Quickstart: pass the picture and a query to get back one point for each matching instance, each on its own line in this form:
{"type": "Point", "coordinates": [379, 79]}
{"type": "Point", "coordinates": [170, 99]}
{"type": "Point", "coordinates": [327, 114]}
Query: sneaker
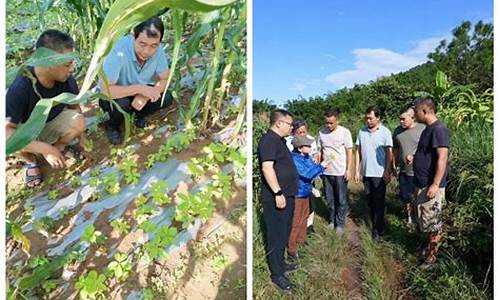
{"type": "Point", "coordinates": [339, 230]}
{"type": "Point", "coordinates": [293, 258]}
{"type": "Point", "coordinates": [289, 268]}
{"type": "Point", "coordinates": [290, 282]}
{"type": "Point", "coordinates": [427, 264]}
{"type": "Point", "coordinates": [282, 284]}
{"type": "Point", "coordinates": [331, 226]}
{"type": "Point", "coordinates": [114, 136]}
{"type": "Point", "coordinates": [141, 123]}
{"type": "Point", "coordinates": [376, 236]}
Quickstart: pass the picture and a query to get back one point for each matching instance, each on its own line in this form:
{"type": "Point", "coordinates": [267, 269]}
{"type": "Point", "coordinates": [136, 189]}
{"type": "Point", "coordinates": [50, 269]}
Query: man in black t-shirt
{"type": "Point", "coordinates": [279, 185]}
{"type": "Point", "coordinates": [64, 123]}
{"type": "Point", "coordinates": [430, 165]}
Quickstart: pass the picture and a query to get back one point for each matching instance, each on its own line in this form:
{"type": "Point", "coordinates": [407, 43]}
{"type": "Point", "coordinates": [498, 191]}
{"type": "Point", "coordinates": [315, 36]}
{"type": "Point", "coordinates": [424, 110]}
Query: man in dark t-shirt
{"type": "Point", "coordinates": [430, 169]}
{"type": "Point", "coordinates": [64, 123]}
{"type": "Point", "coordinates": [279, 185]}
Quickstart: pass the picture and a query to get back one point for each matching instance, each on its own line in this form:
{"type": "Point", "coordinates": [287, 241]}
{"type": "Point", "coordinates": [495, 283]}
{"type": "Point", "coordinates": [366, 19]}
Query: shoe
{"type": "Point", "coordinates": [310, 229]}
{"type": "Point", "coordinates": [293, 258]}
{"type": "Point", "coordinates": [331, 226]}
{"type": "Point", "coordinates": [376, 236]}
{"type": "Point", "coordinates": [291, 283]}
{"type": "Point", "coordinates": [282, 284]}
{"type": "Point", "coordinates": [141, 123]}
{"type": "Point", "coordinates": [289, 268]}
{"type": "Point", "coordinates": [339, 230]}
{"type": "Point", "coordinates": [114, 136]}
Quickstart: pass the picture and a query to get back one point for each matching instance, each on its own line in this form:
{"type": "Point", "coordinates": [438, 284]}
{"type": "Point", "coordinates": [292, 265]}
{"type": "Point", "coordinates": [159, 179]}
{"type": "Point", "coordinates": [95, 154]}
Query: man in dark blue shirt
{"type": "Point", "coordinates": [430, 168]}
{"type": "Point", "coordinates": [279, 185]}
{"type": "Point", "coordinates": [64, 123]}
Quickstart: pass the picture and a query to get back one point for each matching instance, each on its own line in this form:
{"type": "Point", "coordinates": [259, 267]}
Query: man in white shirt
{"type": "Point", "coordinates": [335, 145]}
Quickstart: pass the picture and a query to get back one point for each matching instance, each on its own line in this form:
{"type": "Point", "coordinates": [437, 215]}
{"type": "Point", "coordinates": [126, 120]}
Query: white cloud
{"type": "Point", "coordinates": [301, 85]}
{"type": "Point", "coordinates": [373, 63]}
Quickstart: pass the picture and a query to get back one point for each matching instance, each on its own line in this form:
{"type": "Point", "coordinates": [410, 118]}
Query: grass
{"type": "Point", "coordinates": [320, 266]}
{"type": "Point", "coordinates": [388, 269]}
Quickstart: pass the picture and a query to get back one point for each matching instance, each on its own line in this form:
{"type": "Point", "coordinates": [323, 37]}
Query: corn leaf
{"type": "Point", "coordinates": [28, 131]}
{"type": "Point", "coordinates": [123, 15]}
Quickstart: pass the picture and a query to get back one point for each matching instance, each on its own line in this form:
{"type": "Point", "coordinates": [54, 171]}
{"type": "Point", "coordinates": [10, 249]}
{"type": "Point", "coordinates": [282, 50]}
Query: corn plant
{"type": "Point", "coordinates": [121, 17]}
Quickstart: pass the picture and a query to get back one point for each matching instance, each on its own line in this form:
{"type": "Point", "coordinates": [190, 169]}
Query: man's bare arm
{"type": "Point", "coordinates": [442, 159]}
{"type": "Point", "coordinates": [272, 181]}
{"type": "Point", "coordinates": [348, 152]}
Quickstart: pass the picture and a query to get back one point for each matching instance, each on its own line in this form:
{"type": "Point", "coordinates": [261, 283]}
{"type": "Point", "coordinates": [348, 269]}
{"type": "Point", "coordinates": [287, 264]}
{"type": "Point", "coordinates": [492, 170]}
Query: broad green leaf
{"type": "Point", "coordinates": [28, 131]}
{"type": "Point", "coordinates": [178, 21]}
{"type": "Point", "coordinates": [123, 15]}
{"type": "Point", "coordinates": [41, 273]}
{"type": "Point", "coordinates": [42, 57]}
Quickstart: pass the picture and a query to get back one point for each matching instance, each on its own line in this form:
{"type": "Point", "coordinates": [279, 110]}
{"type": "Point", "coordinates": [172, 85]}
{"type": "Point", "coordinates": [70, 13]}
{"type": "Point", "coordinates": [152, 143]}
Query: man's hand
{"type": "Point", "coordinates": [432, 191]}
{"type": "Point", "coordinates": [347, 174]}
{"type": "Point", "coordinates": [409, 159]}
{"type": "Point", "coordinates": [139, 102]}
{"type": "Point", "coordinates": [325, 163]}
{"type": "Point", "coordinates": [357, 177]}
{"type": "Point", "coordinates": [280, 201]}
{"type": "Point", "coordinates": [316, 158]}
{"type": "Point", "coordinates": [150, 92]}
{"type": "Point", "coordinates": [53, 156]}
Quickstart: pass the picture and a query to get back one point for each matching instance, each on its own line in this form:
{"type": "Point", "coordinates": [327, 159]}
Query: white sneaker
{"type": "Point", "coordinates": [339, 230]}
{"type": "Point", "coordinates": [331, 226]}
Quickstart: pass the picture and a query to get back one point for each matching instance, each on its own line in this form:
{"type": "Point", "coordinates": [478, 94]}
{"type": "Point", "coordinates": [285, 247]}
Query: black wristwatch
{"type": "Point", "coordinates": [278, 193]}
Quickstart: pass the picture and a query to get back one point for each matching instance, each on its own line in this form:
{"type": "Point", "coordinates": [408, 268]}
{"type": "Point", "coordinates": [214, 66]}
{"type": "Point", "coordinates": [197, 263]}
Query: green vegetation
{"type": "Point", "coordinates": [459, 77]}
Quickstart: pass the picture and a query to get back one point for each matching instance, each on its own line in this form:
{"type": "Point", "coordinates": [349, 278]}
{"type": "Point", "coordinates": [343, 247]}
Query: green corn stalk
{"type": "Point", "coordinates": [178, 25]}
{"type": "Point", "coordinates": [215, 63]}
{"type": "Point", "coordinates": [240, 118]}
{"type": "Point", "coordinates": [123, 15]}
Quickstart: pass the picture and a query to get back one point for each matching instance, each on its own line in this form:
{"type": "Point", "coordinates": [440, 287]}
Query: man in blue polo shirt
{"type": "Point", "coordinates": [374, 162]}
{"type": "Point", "coordinates": [137, 71]}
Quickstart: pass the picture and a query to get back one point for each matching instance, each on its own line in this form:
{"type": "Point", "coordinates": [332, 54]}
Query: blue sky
{"type": "Point", "coordinates": [308, 48]}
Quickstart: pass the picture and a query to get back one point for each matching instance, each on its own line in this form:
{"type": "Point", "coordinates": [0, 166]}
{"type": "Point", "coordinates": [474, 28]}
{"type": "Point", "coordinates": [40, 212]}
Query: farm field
{"type": "Point", "coordinates": [161, 216]}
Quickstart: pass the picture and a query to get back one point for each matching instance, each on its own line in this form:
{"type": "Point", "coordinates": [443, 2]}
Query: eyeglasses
{"type": "Point", "coordinates": [288, 123]}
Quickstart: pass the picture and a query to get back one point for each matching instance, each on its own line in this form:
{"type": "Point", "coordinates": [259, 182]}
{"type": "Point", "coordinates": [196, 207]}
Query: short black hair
{"type": "Point", "coordinates": [277, 114]}
{"type": "Point", "coordinates": [427, 101]}
{"type": "Point", "coordinates": [55, 40]}
{"type": "Point", "coordinates": [406, 108]}
{"type": "Point", "coordinates": [152, 26]}
{"type": "Point", "coordinates": [298, 123]}
{"type": "Point", "coordinates": [375, 109]}
{"type": "Point", "coordinates": [333, 112]}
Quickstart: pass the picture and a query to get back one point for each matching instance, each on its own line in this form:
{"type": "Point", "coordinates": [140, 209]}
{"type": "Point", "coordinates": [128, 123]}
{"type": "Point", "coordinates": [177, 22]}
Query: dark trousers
{"type": "Point", "coordinates": [116, 117]}
{"type": "Point", "coordinates": [278, 225]}
{"type": "Point", "coordinates": [336, 198]}
{"type": "Point", "coordinates": [375, 193]}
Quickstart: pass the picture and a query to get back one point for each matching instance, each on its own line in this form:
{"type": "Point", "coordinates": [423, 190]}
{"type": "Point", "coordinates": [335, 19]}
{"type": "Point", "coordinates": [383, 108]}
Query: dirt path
{"type": "Point", "coordinates": [351, 274]}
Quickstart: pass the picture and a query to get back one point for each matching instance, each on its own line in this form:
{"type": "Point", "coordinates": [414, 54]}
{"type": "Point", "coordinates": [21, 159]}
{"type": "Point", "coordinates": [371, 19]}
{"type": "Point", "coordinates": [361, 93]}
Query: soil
{"type": "Point", "coordinates": [228, 235]}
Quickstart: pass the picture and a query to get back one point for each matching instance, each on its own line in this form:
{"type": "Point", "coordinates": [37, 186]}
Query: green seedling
{"type": "Point", "coordinates": [222, 183]}
{"type": "Point", "coordinates": [147, 294]}
{"type": "Point", "coordinates": [94, 182]}
{"type": "Point", "coordinates": [183, 211]}
{"type": "Point", "coordinates": [157, 190]}
{"type": "Point", "coordinates": [140, 200]}
{"type": "Point", "coordinates": [111, 183]}
{"type": "Point", "coordinates": [92, 236]}
{"type": "Point", "coordinates": [130, 170]}
{"type": "Point", "coordinates": [195, 169]}
{"type": "Point", "coordinates": [148, 226]}
{"type": "Point", "coordinates": [38, 261]}
{"type": "Point", "coordinates": [53, 195]}
{"type": "Point", "coordinates": [152, 159]}
{"type": "Point", "coordinates": [120, 267]}
{"type": "Point", "coordinates": [219, 261]}
{"type": "Point", "coordinates": [63, 211]}
{"type": "Point", "coordinates": [49, 285]}
{"type": "Point", "coordinates": [95, 173]}
{"type": "Point", "coordinates": [45, 223]}
{"type": "Point", "coordinates": [91, 286]}
{"type": "Point", "coordinates": [120, 225]}
{"type": "Point", "coordinates": [163, 238]}
{"type": "Point", "coordinates": [76, 181]}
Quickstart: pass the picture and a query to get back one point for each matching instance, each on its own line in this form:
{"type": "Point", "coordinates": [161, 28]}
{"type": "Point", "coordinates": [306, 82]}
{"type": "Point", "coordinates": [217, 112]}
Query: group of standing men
{"type": "Point", "coordinates": [416, 153]}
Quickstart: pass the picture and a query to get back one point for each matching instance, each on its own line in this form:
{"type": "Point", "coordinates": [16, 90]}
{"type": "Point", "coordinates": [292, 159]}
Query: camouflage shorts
{"type": "Point", "coordinates": [429, 211]}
